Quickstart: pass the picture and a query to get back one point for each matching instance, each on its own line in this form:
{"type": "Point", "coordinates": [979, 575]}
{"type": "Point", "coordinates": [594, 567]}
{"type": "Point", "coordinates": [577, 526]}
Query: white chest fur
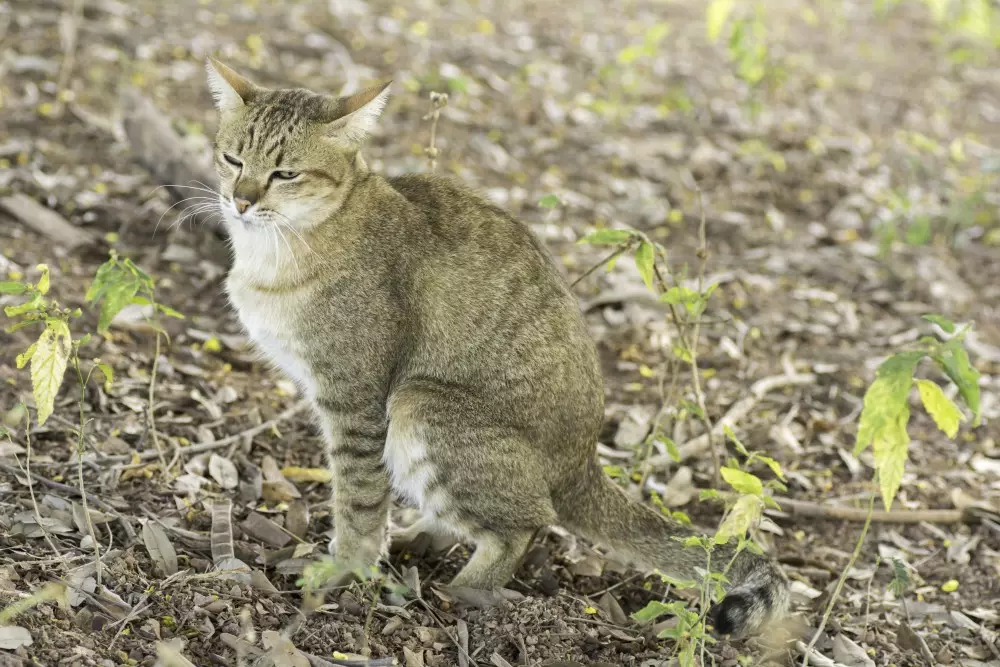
{"type": "Point", "coordinates": [269, 320]}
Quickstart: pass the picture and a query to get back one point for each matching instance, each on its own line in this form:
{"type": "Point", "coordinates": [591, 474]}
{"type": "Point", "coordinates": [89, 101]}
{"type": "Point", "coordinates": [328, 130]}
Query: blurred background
{"type": "Point", "coordinates": [846, 155]}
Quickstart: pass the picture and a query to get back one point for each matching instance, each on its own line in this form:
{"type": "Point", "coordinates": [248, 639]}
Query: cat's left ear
{"type": "Point", "coordinates": [355, 115]}
{"type": "Point", "coordinates": [230, 90]}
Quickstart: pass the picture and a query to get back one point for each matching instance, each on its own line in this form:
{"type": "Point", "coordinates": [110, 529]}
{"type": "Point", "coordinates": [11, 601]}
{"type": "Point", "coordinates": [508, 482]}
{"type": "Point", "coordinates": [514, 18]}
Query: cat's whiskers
{"type": "Point", "coordinates": [191, 211]}
{"type": "Point", "coordinates": [186, 199]}
{"type": "Point", "coordinates": [286, 222]}
{"type": "Point", "coordinates": [291, 252]}
{"type": "Point", "coordinates": [201, 186]}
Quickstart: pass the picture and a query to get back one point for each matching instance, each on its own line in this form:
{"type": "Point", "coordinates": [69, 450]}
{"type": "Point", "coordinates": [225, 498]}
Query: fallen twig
{"type": "Point", "coordinates": [807, 508]}
{"type": "Point", "coordinates": [198, 448]}
{"type": "Point", "coordinates": [738, 411]}
{"type": "Point", "coordinates": [45, 221]}
{"type": "Point", "coordinates": [317, 661]}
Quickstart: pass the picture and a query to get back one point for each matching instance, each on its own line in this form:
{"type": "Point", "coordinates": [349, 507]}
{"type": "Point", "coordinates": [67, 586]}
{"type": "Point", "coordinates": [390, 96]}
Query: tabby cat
{"type": "Point", "coordinates": [445, 355]}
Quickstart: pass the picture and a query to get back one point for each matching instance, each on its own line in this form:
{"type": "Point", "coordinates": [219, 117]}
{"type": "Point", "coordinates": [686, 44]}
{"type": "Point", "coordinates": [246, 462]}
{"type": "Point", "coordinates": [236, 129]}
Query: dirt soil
{"type": "Point", "coordinates": [872, 127]}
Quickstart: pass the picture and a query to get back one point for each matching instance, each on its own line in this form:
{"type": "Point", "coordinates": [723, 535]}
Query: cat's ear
{"type": "Point", "coordinates": [355, 116]}
{"type": "Point", "coordinates": [230, 90]}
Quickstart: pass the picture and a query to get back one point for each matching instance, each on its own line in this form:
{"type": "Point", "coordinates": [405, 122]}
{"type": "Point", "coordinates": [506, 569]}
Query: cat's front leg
{"type": "Point", "coordinates": [355, 434]}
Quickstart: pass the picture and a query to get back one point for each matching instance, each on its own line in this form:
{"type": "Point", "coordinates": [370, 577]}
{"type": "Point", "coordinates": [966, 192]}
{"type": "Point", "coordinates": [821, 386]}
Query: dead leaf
{"type": "Point", "coordinates": [168, 654]}
{"type": "Point", "coordinates": [413, 658]}
{"type": "Point", "coordinates": [304, 475]}
{"type": "Point", "coordinates": [282, 652]}
{"type": "Point", "coordinates": [275, 488]}
{"type": "Point", "coordinates": [14, 636]}
{"type": "Point", "coordinates": [847, 652]}
{"type": "Point", "coordinates": [609, 605]}
{"type": "Point", "coordinates": [259, 526]}
{"type": "Point", "coordinates": [223, 471]}
{"type": "Point", "coordinates": [159, 547]}
{"type": "Point", "coordinates": [297, 518]}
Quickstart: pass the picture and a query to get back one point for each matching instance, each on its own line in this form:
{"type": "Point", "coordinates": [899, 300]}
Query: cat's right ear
{"type": "Point", "coordinates": [230, 90]}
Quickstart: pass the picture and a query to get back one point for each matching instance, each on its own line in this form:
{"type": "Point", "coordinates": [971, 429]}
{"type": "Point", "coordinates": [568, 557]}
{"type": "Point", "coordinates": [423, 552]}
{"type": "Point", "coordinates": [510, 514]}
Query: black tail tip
{"type": "Point", "coordinates": [747, 610]}
{"type": "Point", "coordinates": [731, 615]}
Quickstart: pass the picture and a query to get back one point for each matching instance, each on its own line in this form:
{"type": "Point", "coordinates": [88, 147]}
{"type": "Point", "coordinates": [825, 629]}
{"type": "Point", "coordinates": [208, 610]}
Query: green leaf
{"type": "Point", "coordinates": [653, 610]}
{"type": "Point", "coordinates": [890, 448]}
{"type": "Point", "coordinates": [715, 18]}
{"type": "Point", "coordinates": [945, 413]}
{"type": "Point", "coordinates": [25, 356]}
{"type": "Point", "coordinates": [43, 281]}
{"type": "Point", "coordinates": [28, 306]}
{"type": "Point", "coordinates": [943, 322]}
{"type": "Point", "coordinates": [884, 418]}
{"type": "Point", "coordinates": [607, 237]}
{"type": "Point", "coordinates": [708, 494]}
{"type": "Point", "coordinates": [744, 514]}
{"type": "Point", "coordinates": [23, 323]}
{"type": "Point", "coordinates": [743, 482]}
{"type": "Point", "coordinates": [772, 464]}
{"type": "Point", "coordinates": [48, 365]}
{"type": "Point", "coordinates": [671, 446]}
{"type": "Point", "coordinates": [728, 430]}
{"type": "Point", "coordinates": [886, 398]}
{"type": "Point", "coordinates": [117, 296]}
{"type": "Point", "coordinates": [107, 372]}
{"type": "Point", "coordinates": [169, 312]}
{"type": "Point", "coordinates": [549, 201]}
{"type": "Point", "coordinates": [12, 287]}
{"type": "Point", "coordinates": [955, 363]}
{"type": "Point", "coordinates": [644, 259]}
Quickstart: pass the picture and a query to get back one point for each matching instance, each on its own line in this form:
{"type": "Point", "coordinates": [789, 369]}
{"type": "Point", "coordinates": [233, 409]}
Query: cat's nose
{"type": "Point", "coordinates": [242, 204]}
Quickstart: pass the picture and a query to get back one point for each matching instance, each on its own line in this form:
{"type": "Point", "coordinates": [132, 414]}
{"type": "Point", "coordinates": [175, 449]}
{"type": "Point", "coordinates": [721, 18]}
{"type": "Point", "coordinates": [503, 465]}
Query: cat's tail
{"type": "Point", "coordinates": [602, 512]}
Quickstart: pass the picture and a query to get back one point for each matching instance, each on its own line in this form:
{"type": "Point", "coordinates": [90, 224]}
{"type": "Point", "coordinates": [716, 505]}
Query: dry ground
{"type": "Point", "coordinates": [865, 118]}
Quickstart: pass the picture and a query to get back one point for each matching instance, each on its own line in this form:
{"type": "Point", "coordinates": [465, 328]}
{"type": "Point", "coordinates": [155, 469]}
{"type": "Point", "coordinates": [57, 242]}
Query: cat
{"type": "Point", "coordinates": [445, 356]}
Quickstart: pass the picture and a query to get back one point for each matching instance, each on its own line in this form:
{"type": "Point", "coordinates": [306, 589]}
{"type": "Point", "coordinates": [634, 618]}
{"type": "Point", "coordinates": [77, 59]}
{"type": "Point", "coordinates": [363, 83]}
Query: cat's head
{"type": "Point", "coordinates": [287, 157]}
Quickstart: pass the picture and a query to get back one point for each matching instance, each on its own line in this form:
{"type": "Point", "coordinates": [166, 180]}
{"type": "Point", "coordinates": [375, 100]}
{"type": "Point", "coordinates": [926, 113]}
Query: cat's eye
{"type": "Point", "coordinates": [285, 175]}
{"type": "Point", "coordinates": [231, 160]}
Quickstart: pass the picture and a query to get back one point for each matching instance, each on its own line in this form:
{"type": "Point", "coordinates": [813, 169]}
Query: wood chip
{"type": "Point", "coordinates": [260, 527]}
{"type": "Point", "coordinates": [45, 221]}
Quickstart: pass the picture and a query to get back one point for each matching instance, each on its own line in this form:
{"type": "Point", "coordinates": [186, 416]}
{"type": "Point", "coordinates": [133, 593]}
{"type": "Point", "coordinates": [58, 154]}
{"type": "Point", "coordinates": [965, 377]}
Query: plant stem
{"type": "Point", "coordinates": [79, 465]}
{"type": "Point", "coordinates": [695, 375]}
{"type": "Point", "coordinates": [151, 408]}
{"type": "Point", "coordinates": [622, 248]}
{"type": "Point", "coordinates": [31, 487]}
{"type": "Point", "coordinates": [840, 582]}
{"type": "Point", "coordinates": [438, 102]}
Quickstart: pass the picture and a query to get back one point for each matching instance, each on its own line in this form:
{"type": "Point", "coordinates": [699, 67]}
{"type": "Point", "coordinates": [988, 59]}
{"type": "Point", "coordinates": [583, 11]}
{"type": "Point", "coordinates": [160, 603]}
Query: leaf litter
{"type": "Point", "coordinates": [805, 293]}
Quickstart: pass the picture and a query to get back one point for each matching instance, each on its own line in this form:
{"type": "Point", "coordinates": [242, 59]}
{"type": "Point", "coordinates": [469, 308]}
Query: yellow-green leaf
{"type": "Point", "coordinates": [886, 398]}
{"type": "Point", "coordinates": [715, 18]}
{"type": "Point", "coordinates": [945, 413]}
{"type": "Point", "coordinates": [644, 257]}
{"type": "Point", "coordinates": [740, 519]}
{"type": "Point", "coordinates": [48, 365]}
{"type": "Point", "coordinates": [43, 281]}
{"type": "Point", "coordinates": [107, 372]}
{"type": "Point", "coordinates": [890, 447]}
{"type": "Point", "coordinates": [25, 356]}
{"type": "Point", "coordinates": [743, 482]}
{"type": "Point", "coordinates": [950, 586]}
